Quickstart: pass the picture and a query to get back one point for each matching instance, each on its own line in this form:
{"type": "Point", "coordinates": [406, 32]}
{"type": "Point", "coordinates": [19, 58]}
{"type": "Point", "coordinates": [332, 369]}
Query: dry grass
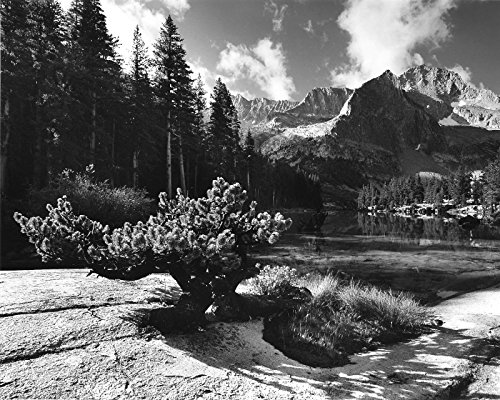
{"type": "Point", "coordinates": [343, 318]}
{"type": "Point", "coordinates": [398, 312]}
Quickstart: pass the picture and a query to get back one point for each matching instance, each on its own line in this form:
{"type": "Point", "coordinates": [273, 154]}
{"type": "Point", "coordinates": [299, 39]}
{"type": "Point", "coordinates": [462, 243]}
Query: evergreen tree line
{"type": "Point", "coordinates": [460, 188]}
{"type": "Point", "coordinates": [67, 102]}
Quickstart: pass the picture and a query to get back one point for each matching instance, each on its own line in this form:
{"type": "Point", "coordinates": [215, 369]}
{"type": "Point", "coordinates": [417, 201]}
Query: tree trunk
{"type": "Point", "coordinates": [187, 315]}
{"type": "Point", "coordinates": [93, 133]}
{"type": "Point", "coordinates": [249, 190]}
{"type": "Point", "coordinates": [4, 146]}
{"type": "Point", "coordinates": [135, 169]}
{"type": "Point", "coordinates": [188, 175]}
{"type": "Point", "coordinates": [196, 178]}
{"type": "Point", "coordinates": [169, 158]}
{"type": "Point", "coordinates": [38, 156]}
{"type": "Point", "coordinates": [181, 167]}
{"type": "Point", "coordinates": [113, 164]}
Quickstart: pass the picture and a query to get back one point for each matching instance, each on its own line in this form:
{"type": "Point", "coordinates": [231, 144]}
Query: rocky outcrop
{"type": "Point", "coordinates": [98, 351]}
{"type": "Point", "coordinates": [445, 95]}
{"type": "Point", "coordinates": [321, 103]}
{"type": "Point", "coordinates": [381, 113]}
{"type": "Point", "coordinates": [256, 111]}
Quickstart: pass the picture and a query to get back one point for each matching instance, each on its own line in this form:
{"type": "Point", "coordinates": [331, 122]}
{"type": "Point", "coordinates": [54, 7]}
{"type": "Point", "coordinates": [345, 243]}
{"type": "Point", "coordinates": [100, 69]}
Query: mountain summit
{"type": "Point", "coordinates": [427, 119]}
{"type": "Point", "coordinates": [450, 99]}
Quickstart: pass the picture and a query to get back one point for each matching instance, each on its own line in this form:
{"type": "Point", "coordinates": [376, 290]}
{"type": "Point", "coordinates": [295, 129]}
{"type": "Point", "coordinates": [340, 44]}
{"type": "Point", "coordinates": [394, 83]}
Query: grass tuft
{"type": "Point", "coordinates": [398, 312]}
{"type": "Point", "coordinates": [343, 318]}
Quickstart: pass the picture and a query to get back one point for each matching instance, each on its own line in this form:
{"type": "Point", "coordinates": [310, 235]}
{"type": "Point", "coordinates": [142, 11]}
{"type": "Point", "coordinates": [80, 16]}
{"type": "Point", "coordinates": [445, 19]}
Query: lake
{"type": "Point", "coordinates": [433, 258]}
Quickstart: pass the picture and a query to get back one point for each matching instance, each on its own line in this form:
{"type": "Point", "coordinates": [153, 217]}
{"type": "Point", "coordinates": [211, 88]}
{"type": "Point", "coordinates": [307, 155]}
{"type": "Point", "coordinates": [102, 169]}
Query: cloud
{"type": "Point", "coordinates": [309, 28]}
{"type": "Point", "coordinates": [207, 77]}
{"type": "Point", "coordinates": [464, 72]}
{"type": "Point", "coordinates": [178, 8]}
{"type": "Point", "coordinates": [277, 12]}
{"type": "Point", "coordinates": [245, 93]}
{"type": "Point", "coordinates": [123, 15]}
{"type": "Point", "coordinates": [385, 33]}
{"type": "Point", "coordinates": [264, 64]}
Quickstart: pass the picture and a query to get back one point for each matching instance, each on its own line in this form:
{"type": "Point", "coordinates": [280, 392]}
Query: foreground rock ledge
{"type": "Point", "coordinates": [64, 335]}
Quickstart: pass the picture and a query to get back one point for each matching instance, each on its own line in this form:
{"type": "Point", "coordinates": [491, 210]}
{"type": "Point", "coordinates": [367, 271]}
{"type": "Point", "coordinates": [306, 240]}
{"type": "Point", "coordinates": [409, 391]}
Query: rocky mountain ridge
{"type": "Point", "coordinates": [450, 99]}
{"type": "Point", "coordinates": [443, 94]}
{"type": "Point", "coordinates": [254, 112]}
{"type": "Point", "coordinates": [427, 119]}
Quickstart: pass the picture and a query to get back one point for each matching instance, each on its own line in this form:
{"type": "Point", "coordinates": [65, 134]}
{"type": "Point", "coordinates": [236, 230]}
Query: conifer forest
{"type": "Point", "coordinates": [70, 102]}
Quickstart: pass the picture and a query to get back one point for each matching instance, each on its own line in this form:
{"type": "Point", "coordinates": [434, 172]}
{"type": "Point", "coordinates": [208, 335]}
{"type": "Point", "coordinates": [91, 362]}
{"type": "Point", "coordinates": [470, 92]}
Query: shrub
{"type": "Point", "coordinates": [272, 280]}
{"type": "Point", "coordinates": [342, 318]}
{"type": "Point", "coordinates": [97, 200]}
{"type": "Point", "coordinates": [202, 243]}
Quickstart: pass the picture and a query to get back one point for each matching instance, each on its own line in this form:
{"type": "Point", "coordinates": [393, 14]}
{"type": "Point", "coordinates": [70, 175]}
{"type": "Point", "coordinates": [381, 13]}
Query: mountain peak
{"type": "Point", "coordinates": [443, 92]}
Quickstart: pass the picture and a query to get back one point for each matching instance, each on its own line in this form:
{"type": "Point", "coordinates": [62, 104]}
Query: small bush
{"type": "Point", "coordinates": [202, 243]}
{"type": "Point", "coordinates": [97, 200]}
{"type": "Point", "coordinates": [272, 280]}
{"type": "Point", "coordinates": [343, 318]}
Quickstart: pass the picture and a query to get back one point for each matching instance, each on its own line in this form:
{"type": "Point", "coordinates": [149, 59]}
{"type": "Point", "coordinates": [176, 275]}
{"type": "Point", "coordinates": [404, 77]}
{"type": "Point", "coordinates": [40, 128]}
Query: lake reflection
{"type": "Point", "coordinates": [349, 229]}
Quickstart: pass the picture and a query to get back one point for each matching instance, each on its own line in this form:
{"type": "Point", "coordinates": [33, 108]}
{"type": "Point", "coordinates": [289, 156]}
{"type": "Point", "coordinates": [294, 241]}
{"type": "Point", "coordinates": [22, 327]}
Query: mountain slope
{"type": "Point", "coordinates": [256, 111]}
{"type": "Point", "coordinates": [428, 119]}
{"type": "Point", "coordinates": [450, 99]}
{"type": "Point", "coordinates": [381, 113]}
{"type": "Point", "coordinates": [321, 104]}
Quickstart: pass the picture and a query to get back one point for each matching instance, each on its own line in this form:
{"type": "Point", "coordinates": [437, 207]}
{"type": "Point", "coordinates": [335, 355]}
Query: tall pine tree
{"type": "Point", "coordinates": [222, 139]}
{"type": "Point", "coordinates": [95, 80]}
{"type": "Point", "coordinates": [45, 41]}
{"type": "Point", "coordinates": [196, 153]}
{"type": "Point", "coordinates": [174, 93]}
{"type": "Point", "coordinates": [15, 72]}
{"type": "Point", "coordinates": [141, 119]}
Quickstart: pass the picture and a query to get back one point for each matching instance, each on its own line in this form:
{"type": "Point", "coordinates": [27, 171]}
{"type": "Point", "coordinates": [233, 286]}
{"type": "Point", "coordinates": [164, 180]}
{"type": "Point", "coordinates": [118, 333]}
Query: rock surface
{"type": "Point", "coordinates": [256, 111]}
{"type": "Point", "coordinates": [445, 94]}
{"type": "Point", "coordinates": [63, 336]}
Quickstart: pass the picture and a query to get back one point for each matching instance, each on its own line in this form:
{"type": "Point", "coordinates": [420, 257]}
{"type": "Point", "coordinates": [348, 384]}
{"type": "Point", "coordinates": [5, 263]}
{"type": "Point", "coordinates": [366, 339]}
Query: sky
{"type": "Point", "coordinates": [281, 49]}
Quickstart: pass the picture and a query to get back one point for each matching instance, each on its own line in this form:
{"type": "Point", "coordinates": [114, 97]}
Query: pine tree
{"type": "Point", "coordinates": [460, 186]}
{"type": "Point", "coordinates": [223, 132]}
{"type": "Point", "coordinates": [196, 156]}
{"type": "Point", "coordinates": [492, 184]}
{"type": "Point", "coordinates": [15, 69]}
{"type": "Point", "coordinates": [249, 154]}
{"type": "Point", "coordinates": [362, 198]}
{"type": "Point", "coordinates": [174, 91]}
{"type": "Point", "coordinates": [32, 54]}
{"type": "Point", "coordinates": [95, 79]}
{"type": "Point", "coordinates": [45, 41]}
{"type": "Point", "coordinates": [419, 190]}
{"type": "Point", "coordinates": [141, 118]}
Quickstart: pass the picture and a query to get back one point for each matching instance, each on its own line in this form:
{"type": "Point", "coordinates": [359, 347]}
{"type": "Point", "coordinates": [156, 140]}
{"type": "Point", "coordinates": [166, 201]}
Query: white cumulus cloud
{"type": "Point", "coordinates": [464, 72]}
{"type": "Point", "coordinates": [385, 33]}
{"type": "Point", "coordinates": [265, 64]}
{"type": "Point", "coordinates": [207, 76]}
